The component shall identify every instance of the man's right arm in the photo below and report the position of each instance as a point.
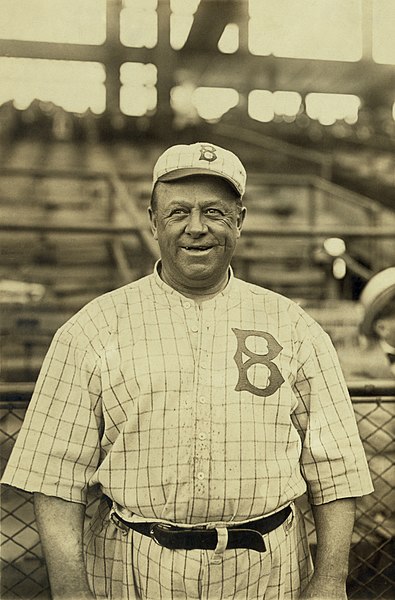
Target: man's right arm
(60, 525)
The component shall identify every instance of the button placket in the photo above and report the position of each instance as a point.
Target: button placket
(202, 405)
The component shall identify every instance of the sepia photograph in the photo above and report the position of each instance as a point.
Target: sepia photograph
(197, 299)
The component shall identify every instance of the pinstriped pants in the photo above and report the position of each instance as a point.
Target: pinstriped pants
(133, 567)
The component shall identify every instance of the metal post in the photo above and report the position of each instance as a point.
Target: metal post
(164, 58)
(367, 29)
(113, 56)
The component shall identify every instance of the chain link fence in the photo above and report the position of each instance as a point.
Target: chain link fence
(371, 575)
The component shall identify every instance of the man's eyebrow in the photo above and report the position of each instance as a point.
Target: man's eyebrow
(184, 202)
(176, 202)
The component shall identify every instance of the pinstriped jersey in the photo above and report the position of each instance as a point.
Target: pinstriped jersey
(222, 410)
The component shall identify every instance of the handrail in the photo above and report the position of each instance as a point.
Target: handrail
(264, 141)
(127, 204)
(359, 200)
(372, 387)
(82, 228)
(143, 227)
(59, 173)
(309, 180)
(324, 231)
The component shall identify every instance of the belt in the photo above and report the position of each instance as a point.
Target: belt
(246, 535)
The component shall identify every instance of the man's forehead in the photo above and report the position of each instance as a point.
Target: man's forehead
(204, 182)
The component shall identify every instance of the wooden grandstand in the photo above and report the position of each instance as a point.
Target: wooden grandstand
(77, 227)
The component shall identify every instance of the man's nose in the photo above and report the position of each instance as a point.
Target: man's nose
(196, 224)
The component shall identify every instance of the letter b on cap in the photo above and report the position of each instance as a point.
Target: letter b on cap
(207, 152)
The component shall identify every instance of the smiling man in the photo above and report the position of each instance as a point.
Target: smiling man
(201, 407)
(197, 222)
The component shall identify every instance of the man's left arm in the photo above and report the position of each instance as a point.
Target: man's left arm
(334, 522)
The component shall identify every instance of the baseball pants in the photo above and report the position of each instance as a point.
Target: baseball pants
(133, 567)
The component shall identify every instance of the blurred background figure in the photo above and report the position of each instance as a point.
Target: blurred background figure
(370, 353)
(378, 325)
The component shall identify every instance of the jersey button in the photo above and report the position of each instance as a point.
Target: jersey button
(187, 305)
(202, 436)
(200, 475)
(194, 328)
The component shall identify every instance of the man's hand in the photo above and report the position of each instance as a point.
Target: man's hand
(324, 588)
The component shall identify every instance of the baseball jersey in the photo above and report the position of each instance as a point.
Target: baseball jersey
(220, 411)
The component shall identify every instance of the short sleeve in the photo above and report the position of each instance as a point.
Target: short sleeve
(58, 448)
(333, 460)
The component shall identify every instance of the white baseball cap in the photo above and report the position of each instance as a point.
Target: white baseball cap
(201, 158)
(376, 294)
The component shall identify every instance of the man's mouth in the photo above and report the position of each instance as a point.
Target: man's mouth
(197, 248)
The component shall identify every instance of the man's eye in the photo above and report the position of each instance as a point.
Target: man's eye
(214, 211)
(178, 211)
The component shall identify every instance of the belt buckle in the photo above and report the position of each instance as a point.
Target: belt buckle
(152, 531)
(118, 523)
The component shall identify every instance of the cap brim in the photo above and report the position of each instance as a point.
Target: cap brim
(187, 172)
(374, 309)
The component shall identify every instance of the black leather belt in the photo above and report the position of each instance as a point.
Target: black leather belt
(246, 535)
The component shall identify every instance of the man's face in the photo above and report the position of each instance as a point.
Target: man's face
(197, 223)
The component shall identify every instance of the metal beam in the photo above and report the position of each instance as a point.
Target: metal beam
(113, 59)
(53, 51)
(323, 74)
(294, 74)
(209, 23)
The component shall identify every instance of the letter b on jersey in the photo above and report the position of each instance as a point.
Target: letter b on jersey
(275, 379)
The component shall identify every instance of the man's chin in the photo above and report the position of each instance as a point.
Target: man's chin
(198, 276)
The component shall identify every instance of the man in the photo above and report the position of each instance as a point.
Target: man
(202, 407)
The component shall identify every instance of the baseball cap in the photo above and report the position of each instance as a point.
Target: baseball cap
(201, 158)
(377, 293)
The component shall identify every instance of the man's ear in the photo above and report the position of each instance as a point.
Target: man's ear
(153, 221)
(240, 220)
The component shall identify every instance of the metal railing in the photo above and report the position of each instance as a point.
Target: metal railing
(371, 573)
